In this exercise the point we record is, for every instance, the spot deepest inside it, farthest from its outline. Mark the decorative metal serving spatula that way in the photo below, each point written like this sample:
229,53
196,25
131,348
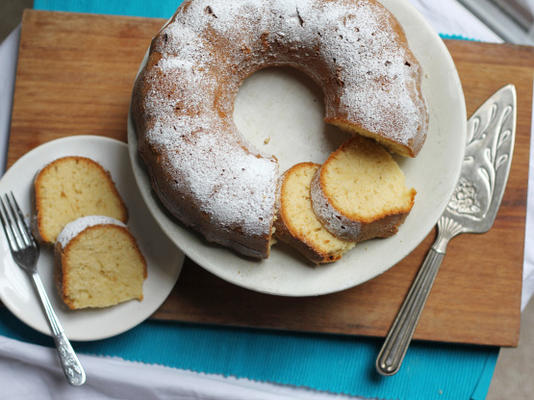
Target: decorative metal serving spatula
471,209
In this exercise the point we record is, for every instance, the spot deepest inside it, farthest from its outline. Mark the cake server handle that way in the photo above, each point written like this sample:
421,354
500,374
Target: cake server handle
401,332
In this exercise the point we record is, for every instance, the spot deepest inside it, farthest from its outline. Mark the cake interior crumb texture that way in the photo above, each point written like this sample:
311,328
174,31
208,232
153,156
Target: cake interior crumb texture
365,182
299,216
70,188
101,267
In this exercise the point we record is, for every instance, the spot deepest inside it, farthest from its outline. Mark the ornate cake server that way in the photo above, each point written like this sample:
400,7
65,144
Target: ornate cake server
471,209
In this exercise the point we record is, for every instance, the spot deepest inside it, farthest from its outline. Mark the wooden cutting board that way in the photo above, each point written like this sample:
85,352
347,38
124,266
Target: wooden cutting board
74,76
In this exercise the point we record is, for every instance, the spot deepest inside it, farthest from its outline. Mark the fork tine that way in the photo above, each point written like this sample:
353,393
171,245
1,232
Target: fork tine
15,224
8,230
19,233
20,220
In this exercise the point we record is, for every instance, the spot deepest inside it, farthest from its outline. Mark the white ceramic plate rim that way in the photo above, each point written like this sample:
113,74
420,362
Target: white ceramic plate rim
16,291
443,91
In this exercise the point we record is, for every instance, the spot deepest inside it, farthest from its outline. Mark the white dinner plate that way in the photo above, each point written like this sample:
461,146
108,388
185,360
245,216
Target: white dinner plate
281,114
164,259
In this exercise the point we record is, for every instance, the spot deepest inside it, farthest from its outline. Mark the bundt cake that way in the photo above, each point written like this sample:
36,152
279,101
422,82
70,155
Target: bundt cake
297,225
98,263
69,188
201,168
360,193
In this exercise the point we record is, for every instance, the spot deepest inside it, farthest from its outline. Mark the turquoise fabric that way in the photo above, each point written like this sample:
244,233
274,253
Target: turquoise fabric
136,8
331,363
457,37
339,364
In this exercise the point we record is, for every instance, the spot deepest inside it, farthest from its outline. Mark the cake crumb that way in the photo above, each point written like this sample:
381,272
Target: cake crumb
266,140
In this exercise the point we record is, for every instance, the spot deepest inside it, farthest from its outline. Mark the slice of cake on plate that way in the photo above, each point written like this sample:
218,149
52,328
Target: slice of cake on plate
99,263
296,223
359,193
69,188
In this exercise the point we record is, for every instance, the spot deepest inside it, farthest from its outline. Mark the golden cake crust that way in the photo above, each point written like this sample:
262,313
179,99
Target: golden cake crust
287,232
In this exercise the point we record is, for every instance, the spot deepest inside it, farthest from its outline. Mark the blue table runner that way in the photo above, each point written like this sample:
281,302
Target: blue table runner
339,364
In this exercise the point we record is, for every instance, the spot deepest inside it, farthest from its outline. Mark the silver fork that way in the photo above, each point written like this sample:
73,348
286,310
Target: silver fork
25,253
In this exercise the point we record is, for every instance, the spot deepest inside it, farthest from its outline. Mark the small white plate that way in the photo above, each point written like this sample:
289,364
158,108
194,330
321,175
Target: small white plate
275,104
164,259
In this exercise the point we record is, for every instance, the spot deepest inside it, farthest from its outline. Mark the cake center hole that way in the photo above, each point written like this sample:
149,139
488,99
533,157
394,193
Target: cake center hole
280,111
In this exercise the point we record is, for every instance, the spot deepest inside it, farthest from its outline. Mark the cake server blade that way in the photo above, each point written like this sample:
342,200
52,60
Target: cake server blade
472,208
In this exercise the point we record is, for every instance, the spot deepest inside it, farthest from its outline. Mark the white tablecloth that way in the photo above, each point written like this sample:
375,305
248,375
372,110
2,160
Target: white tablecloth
31,371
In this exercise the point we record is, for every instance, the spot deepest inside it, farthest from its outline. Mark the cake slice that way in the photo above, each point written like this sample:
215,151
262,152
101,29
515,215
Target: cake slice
69,188
98,263
360,193
296,223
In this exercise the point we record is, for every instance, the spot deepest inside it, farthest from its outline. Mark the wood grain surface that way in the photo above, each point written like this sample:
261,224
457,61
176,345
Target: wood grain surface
74,76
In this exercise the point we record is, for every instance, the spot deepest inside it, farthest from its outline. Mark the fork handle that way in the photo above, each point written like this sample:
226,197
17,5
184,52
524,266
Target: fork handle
401,332
72,367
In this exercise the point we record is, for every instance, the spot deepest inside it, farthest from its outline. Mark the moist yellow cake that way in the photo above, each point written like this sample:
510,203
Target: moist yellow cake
70,188
297,225
98,263
360,193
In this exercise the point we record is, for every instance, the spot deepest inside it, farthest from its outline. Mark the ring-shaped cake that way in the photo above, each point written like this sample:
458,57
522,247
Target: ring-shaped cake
202,169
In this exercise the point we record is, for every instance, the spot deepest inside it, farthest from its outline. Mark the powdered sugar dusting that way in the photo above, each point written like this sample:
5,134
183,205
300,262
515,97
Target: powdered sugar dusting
74,228
212,45
232,185
374,74
379,80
